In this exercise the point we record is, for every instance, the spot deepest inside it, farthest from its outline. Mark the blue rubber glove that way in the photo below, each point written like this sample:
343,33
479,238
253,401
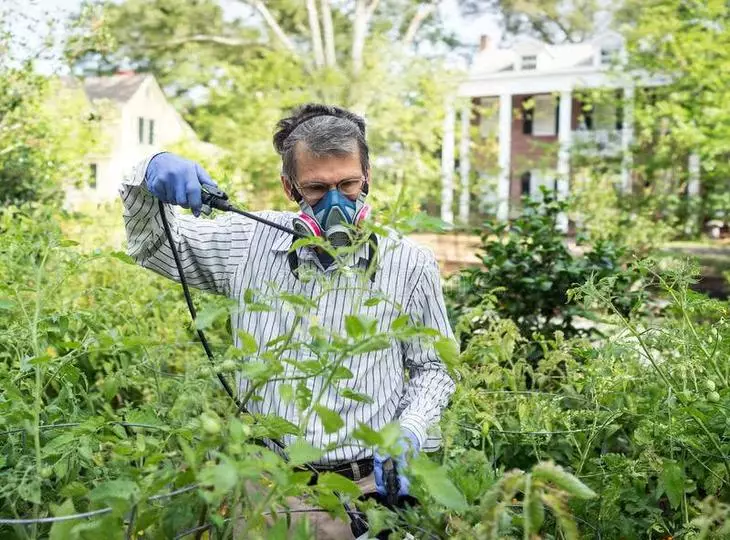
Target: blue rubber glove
409,443
176,180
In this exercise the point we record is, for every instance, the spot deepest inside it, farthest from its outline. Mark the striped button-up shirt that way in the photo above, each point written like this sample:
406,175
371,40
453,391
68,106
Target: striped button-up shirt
407,382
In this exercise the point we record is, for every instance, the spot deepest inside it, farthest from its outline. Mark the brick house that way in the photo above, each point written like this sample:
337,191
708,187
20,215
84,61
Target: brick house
542,102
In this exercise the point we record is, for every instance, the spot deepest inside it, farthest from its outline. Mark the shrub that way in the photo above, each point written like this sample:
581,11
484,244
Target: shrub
528,268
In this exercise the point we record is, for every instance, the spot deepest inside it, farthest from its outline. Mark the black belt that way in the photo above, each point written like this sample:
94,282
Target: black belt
354,470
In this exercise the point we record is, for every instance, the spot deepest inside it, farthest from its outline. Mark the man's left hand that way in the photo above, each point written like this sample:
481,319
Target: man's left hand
410,447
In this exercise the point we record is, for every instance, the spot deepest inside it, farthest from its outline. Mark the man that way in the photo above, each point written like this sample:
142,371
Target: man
326,170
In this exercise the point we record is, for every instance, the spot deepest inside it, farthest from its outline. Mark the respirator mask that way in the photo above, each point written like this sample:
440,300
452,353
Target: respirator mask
332,217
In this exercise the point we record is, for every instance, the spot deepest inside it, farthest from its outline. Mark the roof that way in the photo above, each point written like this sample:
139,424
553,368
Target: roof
549,58
118,88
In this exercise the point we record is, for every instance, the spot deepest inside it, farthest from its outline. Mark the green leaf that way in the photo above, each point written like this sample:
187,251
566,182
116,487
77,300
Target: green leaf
6,304
120,495
248,342
534,511
61,530
66,242
374,301
400,322
375,343
549,472
337,482
286,392
349,393
248,296
354,326
341,373
219,479
298,300
391,434
672,479
276,426
30,490
436,480
301,452
207,317
368,435
331,421
448,351
122,256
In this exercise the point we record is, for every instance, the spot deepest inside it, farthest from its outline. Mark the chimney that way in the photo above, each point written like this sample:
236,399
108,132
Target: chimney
484,42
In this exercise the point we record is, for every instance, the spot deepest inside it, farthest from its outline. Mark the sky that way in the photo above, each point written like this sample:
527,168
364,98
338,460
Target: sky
38,12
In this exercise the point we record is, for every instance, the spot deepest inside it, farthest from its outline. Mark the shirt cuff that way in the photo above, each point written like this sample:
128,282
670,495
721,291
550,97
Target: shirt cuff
416,424
139,173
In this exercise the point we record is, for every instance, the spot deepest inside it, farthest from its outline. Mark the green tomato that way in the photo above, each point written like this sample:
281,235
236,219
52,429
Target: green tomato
713,397
687,396
46,472
709,385
210,424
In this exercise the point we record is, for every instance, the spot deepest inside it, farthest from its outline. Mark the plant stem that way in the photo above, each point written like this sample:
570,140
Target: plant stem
38,388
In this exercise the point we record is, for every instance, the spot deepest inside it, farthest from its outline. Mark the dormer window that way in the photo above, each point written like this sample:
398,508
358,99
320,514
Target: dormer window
528,62
609,55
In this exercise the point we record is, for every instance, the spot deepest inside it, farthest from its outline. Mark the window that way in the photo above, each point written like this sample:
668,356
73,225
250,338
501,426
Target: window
152,131
93,170
604,116
608,55
545,117
528,61
488,116
140,129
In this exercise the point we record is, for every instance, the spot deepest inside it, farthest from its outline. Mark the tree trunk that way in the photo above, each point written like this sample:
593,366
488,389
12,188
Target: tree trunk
363,14
447,164
329,35
271,22
422,13
359,27
316,34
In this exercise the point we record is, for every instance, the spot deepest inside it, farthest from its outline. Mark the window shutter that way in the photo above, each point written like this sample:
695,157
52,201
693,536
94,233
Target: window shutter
619,111
557,115
140,129
525,183
93,171
152,131
527,117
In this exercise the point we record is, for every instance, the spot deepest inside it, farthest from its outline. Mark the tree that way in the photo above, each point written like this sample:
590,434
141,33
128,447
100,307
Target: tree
45,129
685,44
551,21
235,78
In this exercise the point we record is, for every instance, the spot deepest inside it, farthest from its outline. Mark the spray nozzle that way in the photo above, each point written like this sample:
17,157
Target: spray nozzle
214,197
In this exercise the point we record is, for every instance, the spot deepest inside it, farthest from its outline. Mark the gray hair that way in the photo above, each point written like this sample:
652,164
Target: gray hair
323,131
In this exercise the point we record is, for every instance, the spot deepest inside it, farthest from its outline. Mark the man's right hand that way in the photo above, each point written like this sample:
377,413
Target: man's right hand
176,180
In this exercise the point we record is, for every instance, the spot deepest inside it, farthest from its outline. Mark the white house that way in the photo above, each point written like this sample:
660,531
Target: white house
137,119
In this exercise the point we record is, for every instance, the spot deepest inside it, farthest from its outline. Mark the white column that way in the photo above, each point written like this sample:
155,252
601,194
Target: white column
693,173
627,137
465,196
447,163
505,150
565,137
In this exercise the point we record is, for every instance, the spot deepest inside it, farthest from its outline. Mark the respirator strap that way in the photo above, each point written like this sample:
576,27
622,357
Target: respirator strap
293,258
